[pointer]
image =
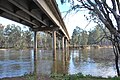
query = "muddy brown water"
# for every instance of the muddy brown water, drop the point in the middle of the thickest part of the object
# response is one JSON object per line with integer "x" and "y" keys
{"x": 96, "y": 62}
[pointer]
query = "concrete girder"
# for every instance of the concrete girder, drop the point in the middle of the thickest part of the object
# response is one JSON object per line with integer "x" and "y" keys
{"x": 16, "y": 15}
{"x": 23, "y": 6}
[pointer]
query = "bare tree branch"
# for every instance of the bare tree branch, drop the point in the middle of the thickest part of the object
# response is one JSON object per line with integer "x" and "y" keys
{"x": 116, "y": 16}
{"x": 118, "y": 4}
{"x": 85, "y": 4}
{"x": 114, "y": 5}
{"x": 88, "y": 23}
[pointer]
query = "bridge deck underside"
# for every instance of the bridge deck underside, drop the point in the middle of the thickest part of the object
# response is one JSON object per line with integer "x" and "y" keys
{"x": 29, "y": 13}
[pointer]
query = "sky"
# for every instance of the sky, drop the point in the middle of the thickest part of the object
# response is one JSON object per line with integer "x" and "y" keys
{"x": 5, "y": 22}
{"x": 74, "y": 19}
{"x": 71, "y": 21}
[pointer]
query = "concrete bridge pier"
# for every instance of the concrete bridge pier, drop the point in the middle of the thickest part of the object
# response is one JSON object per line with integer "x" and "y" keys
{"x": 65, "y": 49}
{"x": 63, "y": 42}
{"x": 54, "y": 45}
{"x": 59, "y": 45}
{"x": 35, "y": 46}
{"x": 68, "y": 49}
{"x": 35, "y": 54}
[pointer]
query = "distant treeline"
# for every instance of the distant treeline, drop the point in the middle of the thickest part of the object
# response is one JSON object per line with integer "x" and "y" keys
{"x": 95, "y": 36}
{"x": 12, "y": 36}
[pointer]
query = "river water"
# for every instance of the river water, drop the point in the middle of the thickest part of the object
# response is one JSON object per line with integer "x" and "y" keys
{"x": 96, "y": 62}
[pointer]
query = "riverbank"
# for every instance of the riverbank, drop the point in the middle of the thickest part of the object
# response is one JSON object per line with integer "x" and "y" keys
{"x": 80, "y": 76}
{"x": 29, "y": 77}
{"x": 60, "y": 77}
{"x": 89, "y": 46}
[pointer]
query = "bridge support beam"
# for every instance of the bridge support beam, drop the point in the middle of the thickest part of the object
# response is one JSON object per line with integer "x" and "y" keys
{"x": 35, "y": 45}
{"x": 35, "y": 53}
{"x": 63, "y": 39}
{"x": 59, "y": 45}
{"x": 54, "y": 45}
{"x": 66, "y": 49}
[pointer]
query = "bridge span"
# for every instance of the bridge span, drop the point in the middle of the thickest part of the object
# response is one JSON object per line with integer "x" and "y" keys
{"x": 39, "y": 15}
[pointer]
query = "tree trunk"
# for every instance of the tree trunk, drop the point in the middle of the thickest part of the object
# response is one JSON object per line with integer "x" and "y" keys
{"x": 117, "y": 65}
{"x": 116, "y": 49}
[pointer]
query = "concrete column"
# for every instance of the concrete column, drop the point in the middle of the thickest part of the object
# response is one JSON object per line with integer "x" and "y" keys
{"x": 66, "y": 43}
{"x": 59, "y": 45}
{"x": 63, "y": 38}
{"x": 55, "y": 66}
{"x": 66, "y": 49}
{"x": 54, "y": 45}
{"x": 35, "y": 54}
{"x": 63, "y": 61}
{"x": 35, "y": 45}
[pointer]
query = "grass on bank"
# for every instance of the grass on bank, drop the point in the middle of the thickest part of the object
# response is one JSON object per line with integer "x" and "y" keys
{"x": 79, "y": 76}
{"x": 55, "y": 76}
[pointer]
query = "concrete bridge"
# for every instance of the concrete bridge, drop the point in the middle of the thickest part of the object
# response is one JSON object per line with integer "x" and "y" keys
{"x": 39, "y": 15}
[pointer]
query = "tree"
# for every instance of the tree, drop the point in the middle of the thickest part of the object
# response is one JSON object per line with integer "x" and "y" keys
{"x": 95, "y": 35}
{"x": 84, "y": 38}
{"x": 17, "y": 38}
{"x": 44, "y": 40}
{"x": 106, "y": 12}
{"x": 12, "y": 34}
{"x": 79, "y": 36}
{"x": 26, "y": 38}
{"x": 74, "y": 37}
{"x": 2, "y": 38}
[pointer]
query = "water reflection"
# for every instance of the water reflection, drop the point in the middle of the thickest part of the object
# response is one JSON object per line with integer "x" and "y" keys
{"x": 15, "y": 63}
{"x": 94, "y": 62}
{"x": 60, "y": 65}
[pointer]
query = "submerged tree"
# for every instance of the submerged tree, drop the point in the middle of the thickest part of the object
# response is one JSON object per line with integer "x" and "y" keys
{"x": 105, "y": 12}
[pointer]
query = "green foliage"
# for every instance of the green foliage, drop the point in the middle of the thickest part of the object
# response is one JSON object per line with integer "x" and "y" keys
{"x": 79, "y": 37}
{"x": 79, "y": 76}
{"x": 2, "y": 38}
{"x": 98, "y": 36}
{"x": 12, "y": 36}
{"x": 84, "y": 38}
{"x": 30, "y": 76}
{"x": 95, "y": 35}
{"x": 27, "y": 38}
{"x": 44, "y": 40}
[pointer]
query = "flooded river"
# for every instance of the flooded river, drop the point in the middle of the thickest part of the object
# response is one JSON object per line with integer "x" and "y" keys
{"x": 96, "y": 62}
